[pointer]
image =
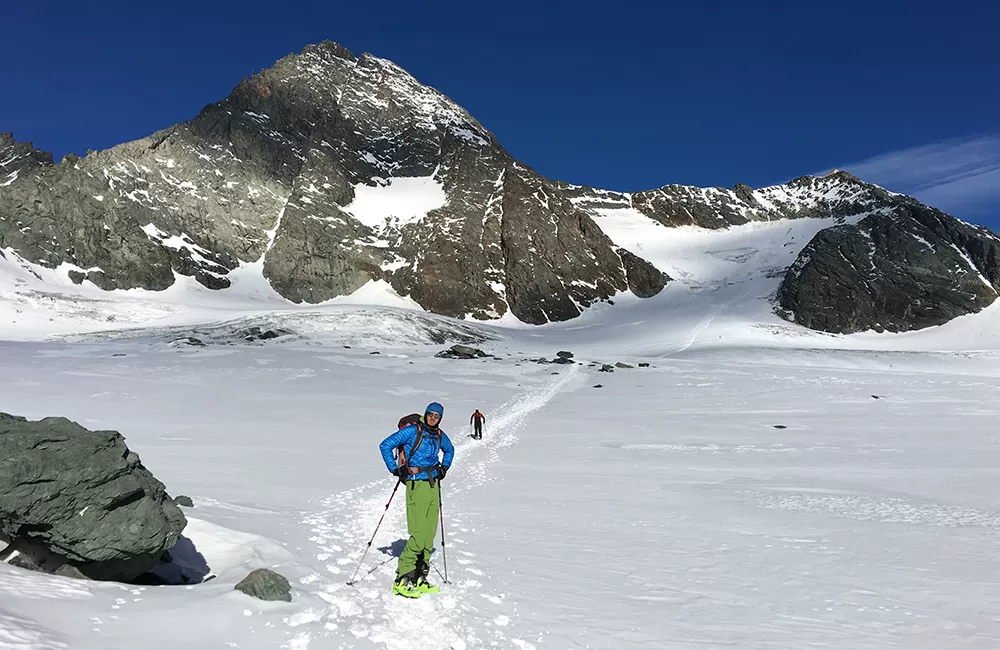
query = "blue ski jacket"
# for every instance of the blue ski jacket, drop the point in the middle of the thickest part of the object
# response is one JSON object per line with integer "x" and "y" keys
{"x": 427, "y": 455}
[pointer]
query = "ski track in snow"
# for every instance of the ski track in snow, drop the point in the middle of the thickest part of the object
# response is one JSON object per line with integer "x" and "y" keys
{"x": 368, "y": 609}
{"x": 707, "y": 321}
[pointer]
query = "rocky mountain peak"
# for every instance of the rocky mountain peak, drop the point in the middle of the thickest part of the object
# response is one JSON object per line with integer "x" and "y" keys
{"x": 844, "y": 176}
{"x": 330, "y": 171}
{"x": 330, "y": 48}
{"x": 19, "y": 157}
{"x": 327, "y": 171}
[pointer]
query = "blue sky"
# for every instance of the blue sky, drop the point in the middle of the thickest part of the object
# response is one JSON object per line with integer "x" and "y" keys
{"x": 621, "y": 95}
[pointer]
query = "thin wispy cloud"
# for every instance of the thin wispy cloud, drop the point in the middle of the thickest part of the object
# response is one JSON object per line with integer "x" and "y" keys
{"x": 960, "y": 176}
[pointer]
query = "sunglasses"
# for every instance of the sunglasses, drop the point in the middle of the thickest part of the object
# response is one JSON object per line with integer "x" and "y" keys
{"x": 432, "y": 415}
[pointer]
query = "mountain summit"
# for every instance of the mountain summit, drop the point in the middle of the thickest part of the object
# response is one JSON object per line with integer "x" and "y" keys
{"x": 331, "y": 171}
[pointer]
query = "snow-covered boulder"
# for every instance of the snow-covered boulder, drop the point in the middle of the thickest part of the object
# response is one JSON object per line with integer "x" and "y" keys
{"x": 79, "y": 502}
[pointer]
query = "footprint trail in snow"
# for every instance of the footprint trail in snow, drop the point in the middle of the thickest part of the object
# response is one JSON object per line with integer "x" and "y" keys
{"x": 466, "y": 614}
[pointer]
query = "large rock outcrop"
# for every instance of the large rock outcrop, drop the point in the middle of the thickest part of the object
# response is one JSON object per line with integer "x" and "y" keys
{"x": 909, "y": 268}
{"x": 78, "y": 502}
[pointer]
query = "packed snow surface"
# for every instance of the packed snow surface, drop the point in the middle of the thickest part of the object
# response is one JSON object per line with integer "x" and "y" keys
{"x": 758, "y": 486}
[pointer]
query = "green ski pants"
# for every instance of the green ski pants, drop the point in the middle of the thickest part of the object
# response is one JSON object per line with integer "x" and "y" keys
{"x": 423, "y": 504}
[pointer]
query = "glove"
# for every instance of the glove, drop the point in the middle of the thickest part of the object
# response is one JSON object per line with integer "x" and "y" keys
{"x": 402, "y": 472}
{"x": 441, "y": 471}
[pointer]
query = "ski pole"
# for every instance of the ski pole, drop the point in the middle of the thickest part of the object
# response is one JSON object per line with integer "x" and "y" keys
{"x": 444, "y": 555}
{"x": 351, "y": 581}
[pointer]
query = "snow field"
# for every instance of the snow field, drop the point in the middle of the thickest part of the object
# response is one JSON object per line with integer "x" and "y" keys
{"x": 664, "y": 509}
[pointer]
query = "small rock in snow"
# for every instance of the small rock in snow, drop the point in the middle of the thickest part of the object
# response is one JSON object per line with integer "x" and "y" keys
{"x": 265, "y": 585}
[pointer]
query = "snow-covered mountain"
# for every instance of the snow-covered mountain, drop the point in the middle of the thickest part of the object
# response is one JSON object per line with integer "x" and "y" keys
{"x": 880, "y": 261}
{"x": 331, "y": 175}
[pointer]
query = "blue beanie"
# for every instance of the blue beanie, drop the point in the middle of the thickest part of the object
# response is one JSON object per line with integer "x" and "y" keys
{"x": 434, "y": 407}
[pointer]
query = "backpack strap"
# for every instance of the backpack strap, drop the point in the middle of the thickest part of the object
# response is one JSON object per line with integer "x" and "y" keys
{"x": 419, "y": 439}
{"x": 416, "y": 444}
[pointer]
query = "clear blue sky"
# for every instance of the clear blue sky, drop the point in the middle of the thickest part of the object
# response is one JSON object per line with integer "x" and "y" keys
{"x": 621, "y": 95}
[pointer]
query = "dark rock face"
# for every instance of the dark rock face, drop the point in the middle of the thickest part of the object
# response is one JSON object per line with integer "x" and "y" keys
{"x": 74, "y": 501}
{"x": 912, "y": 268}
{"x": 334, "y": 170}
{"x": 643, "y": 278}
{"x": 265, "y": 584}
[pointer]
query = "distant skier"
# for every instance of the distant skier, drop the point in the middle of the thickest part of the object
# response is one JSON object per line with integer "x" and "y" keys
{"x": 422, "y": 471}
{"x": 477, "y": 420}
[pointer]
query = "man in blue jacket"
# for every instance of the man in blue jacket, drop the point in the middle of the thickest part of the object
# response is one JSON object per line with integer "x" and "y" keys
{"x": 421, "y": 468}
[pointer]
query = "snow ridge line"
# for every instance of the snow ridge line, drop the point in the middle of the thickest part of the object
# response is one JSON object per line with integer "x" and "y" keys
{"x": 368, "y": 610}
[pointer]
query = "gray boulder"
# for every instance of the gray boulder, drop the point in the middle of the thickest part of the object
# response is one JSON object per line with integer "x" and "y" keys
{"x": 79, "y": 501}
{"x": 265, "y": 584}
{"x": 461, "y": 352}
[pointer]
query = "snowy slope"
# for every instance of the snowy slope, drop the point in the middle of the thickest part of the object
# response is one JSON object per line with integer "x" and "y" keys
{"x": 724, "y": 281}
{"x": 662, "y": 510}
